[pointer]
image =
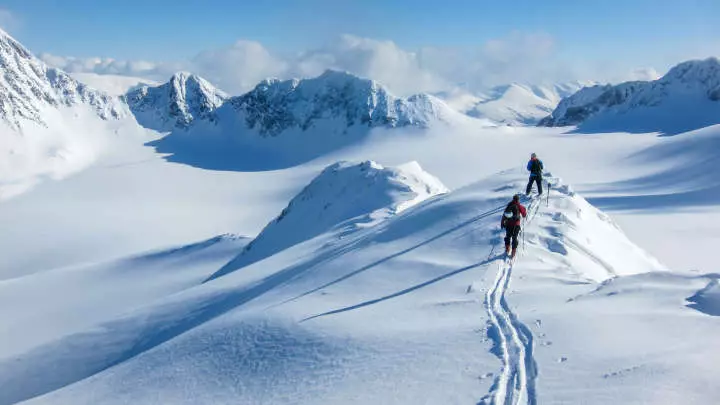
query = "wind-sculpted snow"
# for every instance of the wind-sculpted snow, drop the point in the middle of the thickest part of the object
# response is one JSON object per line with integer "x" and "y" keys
{"x": 177, "y": 103}
{"x": 345, "y": 195}
{"x": 686, "y": 98}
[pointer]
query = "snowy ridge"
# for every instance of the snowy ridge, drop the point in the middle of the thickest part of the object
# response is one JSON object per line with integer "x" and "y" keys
{"x": 177, "y": 103}
{"x": 28, "y": 86}
{"x": 345, "y": 195}
{"x": 690, "y": 92}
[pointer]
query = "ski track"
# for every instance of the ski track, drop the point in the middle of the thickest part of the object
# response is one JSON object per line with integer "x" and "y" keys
{"x": 516, "y": 383}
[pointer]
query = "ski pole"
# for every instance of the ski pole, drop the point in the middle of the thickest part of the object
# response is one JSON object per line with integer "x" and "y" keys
{"x": 548, "y": 195}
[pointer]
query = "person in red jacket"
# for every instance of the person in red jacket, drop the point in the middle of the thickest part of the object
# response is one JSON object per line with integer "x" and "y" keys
{"x": 511, "y": 220}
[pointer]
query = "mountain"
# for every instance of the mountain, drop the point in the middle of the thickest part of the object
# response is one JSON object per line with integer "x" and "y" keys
{"x": 28, "y": 87}
{"x": 345, "y": 195}
{"x": 176, "y": 104}
{"x": 513, "y": 104}
{"x": 275, "y": 106}
{"x": 51, "y": 125}
{"x": 686, "y": 98}
{"x": 280, "y": 124}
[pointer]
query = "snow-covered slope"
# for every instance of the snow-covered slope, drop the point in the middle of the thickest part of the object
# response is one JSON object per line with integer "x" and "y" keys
{"x": 399, "y": 311}
{"x": 513, "y": 104}
{"x": 177, "y": 103}
{"x": 344, "y": 196}
{"x": 687, "y": 97}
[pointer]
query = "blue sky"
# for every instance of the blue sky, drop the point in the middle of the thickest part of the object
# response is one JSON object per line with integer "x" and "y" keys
{"x": 172, "y": 29}
{"x": 629, "y": 34}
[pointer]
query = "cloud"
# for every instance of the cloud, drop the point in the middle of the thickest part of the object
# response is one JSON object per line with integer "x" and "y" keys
{"x": 647, "y": 74}
{"x": 9, "y": 21}
{"x": 517, "y": 57}
{"x": 109, "y": 66}
{"x": 238, "y": 67}
{"x": 383, "y": 61}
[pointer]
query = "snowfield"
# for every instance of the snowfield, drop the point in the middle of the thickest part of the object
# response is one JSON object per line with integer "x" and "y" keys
{"x": 321, "y": 241}
{"x": 394, "y": 313}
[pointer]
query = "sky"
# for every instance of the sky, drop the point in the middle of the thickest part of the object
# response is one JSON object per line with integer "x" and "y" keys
{"x": 420, "y": 45}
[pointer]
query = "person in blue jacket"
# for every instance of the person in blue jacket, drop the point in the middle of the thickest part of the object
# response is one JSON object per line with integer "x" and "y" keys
{"x": 535, "y": 167}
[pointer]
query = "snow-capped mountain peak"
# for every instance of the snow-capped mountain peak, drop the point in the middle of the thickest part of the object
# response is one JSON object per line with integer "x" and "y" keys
{"x": 344, "y": 195}
{"x": 28, "y": 86}
{"x": 184, "y": 99}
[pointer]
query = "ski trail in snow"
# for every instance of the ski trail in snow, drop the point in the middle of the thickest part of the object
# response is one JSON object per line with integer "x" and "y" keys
{"x": 516, "y": 382}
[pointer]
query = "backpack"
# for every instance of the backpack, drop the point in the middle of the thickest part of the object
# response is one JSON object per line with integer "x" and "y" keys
{"x": 512, "y": 213}
{"x": 536, "y": 166}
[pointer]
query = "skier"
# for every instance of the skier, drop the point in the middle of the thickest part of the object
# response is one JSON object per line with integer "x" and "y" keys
{"x": 535, "y": 167}
{"x": 512, "y": 217}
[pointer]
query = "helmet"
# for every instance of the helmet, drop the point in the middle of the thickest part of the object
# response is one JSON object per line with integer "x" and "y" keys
{"x": 516, "y": 197}
{"x": 533, "y": 154}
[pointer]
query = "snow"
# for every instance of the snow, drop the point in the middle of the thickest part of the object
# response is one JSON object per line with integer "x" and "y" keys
{"x": 123, "y": 278}
{"x": 686, "y": 98}
{"x": 177, "y": 103}
{"x": 345, "y": 195}
{"x": 51, "y": 124}
{"x": 707, "y": 300}
{"x": 397, "y": 304}
{"x": 281, "y": 124}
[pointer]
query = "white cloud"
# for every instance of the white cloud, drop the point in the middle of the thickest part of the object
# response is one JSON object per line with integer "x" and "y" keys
{"x": 138, "y": 68}
{"x": 383, "y": 61}
{"x": 647, "y": 73}
{"x": 517, "y": 57}
{"x": 238, "y": 67}
{"x": 9, "y": 21}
